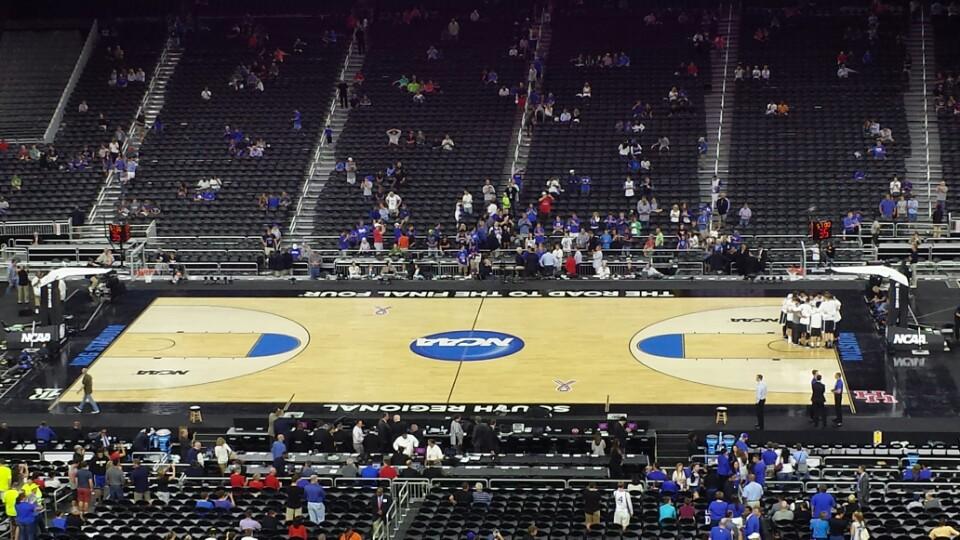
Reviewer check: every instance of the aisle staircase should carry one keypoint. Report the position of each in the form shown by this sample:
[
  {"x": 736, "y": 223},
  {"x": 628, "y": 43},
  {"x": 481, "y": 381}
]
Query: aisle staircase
[
  {"x": 923, "y": 166},
  {"x": 520, "y": 151},
  {"x": 718, "y": 105},
  {"x": 324, "y": 156},
  {"x": 150, "y": 107}
]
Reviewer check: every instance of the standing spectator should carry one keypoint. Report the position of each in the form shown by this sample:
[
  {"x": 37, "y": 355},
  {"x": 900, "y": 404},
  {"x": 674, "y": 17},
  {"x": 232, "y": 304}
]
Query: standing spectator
[
  {"x": 315, "y": 495},
  {"x": 357, "y": 437},
  {"x": 85, "y": 486},
  {"x": 293, "y": 505},
  {"x": 44, "y": 434},
  {"x": 591, "y": 506},
  {"x": 380, "y": 506},
  {"x": 722, "y": 207},
  {"x": 140, "y": 478},
  {"x": 863, "y": 487},
  {"x": 822, "y": 503},
  {"x": 26, "y": 512},
  {"x": 745, "y": 215},
  {"x": 23, "y": 288},
  {"x": 456, "y": 433},
  {"x": 114, "y": 480}
]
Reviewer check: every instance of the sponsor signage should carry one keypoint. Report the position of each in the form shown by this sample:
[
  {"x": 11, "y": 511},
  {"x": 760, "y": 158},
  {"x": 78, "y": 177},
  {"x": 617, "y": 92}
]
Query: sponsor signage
[
  {"x": 466, "y": 345},
  {"x": 97, "y": 345},
  {"x": 849, "y": 347},
  {"x": 909, "y": 361},
  {"x": 753, "y": 320},
  {"x": 35, "y": 337},
  {"x": 163, "y": 372},
  {"x": 487, "y": 294},
  {"x": 513, "y": 408},
  {"x": 905, "y": 339}
]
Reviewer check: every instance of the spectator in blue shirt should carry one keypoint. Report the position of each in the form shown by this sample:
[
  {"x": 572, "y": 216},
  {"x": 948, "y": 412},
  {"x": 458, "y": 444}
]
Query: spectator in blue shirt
[
  {"x": 759, "y": 469},
  {"x": 203, "y": 504},
  {"x": 887, "y": 206},
  {"x": 820, "y": 527},
  {"x": 723, "y": 465},
  {"x": 654, "y": 474},
  {"x": 224, "y": 501},
  {"x": 822, "y": 502},
  {"x": 59, "y": 522},
  {"x": 752, "y": 491},
  {"x": 26, "y": 518},
  {"x": 279, "y": 448},
  {"x": 769, "y": 456},
  {"x": 45, "y": 434},
  {"x": 741, "y": 443},
  {"x": 667, "y": 510},
  {"x": 752, "y": 523},
  {"x": 718, "y": 508},
  {"x": 140, "y": 478},
  {"x": 372, "y": 472},
  {"x": 720, "y": 531},
  {"x": 315, "y": 495}
]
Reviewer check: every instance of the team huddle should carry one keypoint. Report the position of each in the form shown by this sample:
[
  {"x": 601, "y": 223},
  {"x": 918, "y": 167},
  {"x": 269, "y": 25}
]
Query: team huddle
[{"x": 810, "y": 319}]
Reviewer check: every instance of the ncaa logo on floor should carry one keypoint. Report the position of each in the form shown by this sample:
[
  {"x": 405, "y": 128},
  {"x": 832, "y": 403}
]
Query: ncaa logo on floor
[{"x": 466, "y": 345}]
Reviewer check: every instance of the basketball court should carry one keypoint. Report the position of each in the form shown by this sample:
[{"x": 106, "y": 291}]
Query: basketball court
[{"x": 691, "y": 350}]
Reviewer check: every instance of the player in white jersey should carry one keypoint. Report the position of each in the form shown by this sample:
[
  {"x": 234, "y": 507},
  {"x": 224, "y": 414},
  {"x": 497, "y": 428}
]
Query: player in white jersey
[
  {"x": 816, "y": 326},
  {"x": 785, "y": 314},
  {"x": 806, "y": 309},
  {"x": 623, "y": 507},
  {"x": 831, "y": 317}
]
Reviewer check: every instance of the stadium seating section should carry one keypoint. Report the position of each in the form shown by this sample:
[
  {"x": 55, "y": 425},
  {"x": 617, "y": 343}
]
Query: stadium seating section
[
  {"x": 51, "y": 191},
  {"x": 476, "y": 118},
  {"x": 42, "y": 62},
  {"x": 789, "y": 167},
  {"x": 590, "y": 147},
  {"x": 192, "y": 145},
  {"x": 947, "y": 93}
]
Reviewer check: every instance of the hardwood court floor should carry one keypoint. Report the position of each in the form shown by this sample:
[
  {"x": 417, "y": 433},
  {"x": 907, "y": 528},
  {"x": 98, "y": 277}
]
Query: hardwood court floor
[{"x": 359, "y": 350}]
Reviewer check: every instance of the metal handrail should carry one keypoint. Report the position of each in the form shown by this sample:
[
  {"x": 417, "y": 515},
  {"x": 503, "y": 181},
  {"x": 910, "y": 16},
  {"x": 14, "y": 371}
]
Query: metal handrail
[
  {"x": 323, "y": 140},
  {"x": 92, "y": 37},
  {"x": 526, "y": 107}
]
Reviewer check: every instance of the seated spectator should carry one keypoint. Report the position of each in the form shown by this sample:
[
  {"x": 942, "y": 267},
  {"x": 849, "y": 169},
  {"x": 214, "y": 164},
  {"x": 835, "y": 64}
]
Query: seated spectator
[
  {"x": 447, "y": 142},
  {"x": 481, "y": 497},
  {"x": 687, "y": 510},
  {"x": 667, "y": 511}
]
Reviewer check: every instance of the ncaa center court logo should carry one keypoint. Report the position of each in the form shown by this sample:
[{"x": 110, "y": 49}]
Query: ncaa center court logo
[{"x": 466, "y": 345}]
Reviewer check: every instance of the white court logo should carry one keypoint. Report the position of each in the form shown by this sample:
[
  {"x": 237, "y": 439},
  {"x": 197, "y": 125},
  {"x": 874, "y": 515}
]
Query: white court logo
[{"x": 45, "y": 394}]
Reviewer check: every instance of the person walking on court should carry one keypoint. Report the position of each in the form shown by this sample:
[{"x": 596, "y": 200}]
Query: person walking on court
[
  {"x": 818, "y": 402},
  {"x": 761, "y": 400},
  {"x": 86, "y": 387},
  {"x": 838, "y": 400}
]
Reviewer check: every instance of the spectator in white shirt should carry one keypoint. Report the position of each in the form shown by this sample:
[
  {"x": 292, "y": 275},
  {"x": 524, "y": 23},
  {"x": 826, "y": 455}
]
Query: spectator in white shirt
[
  {"x": 406, "y": 444},
  {"x": 358, "y": 437},
  {"x": 434, "y": 453},
  {"x": 206, "y": 94}
]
